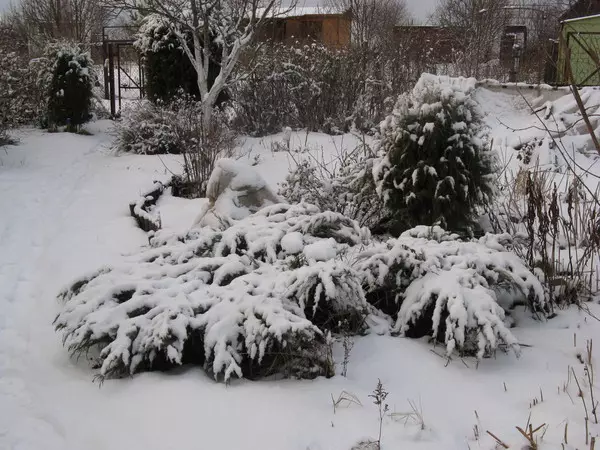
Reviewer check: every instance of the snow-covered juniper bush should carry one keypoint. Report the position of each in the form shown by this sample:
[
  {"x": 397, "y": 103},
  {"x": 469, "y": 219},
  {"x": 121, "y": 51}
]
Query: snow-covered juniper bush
[
  {"x": 261, "y": 295},
  {"x": 437, "y": 168}
]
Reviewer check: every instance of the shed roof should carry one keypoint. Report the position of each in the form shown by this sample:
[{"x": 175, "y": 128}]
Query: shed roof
[
  {"x": 576, "y": 19},
  {"x": 301, "y": 11}
]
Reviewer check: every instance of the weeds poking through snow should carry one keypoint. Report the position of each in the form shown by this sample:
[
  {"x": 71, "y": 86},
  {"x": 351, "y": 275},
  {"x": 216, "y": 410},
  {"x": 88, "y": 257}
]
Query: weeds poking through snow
[
  {"x": 379, "y": 395},
  {"x": 587, "y": 417},
  {"x": 414, "y": 416},
  {"x": 344, "y": 399},
  {"x": 529, "y": 433},
  {"x": 537, "y": 401},
  {"x": 347, "y": 344},
  {"x": 497, "y": 439}
]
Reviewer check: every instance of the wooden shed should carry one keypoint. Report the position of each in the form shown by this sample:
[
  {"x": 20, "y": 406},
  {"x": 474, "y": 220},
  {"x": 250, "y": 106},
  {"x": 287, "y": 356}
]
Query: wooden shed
[
  {"x": 579, "y": 51},
  {"x": 313, "y": 24}
]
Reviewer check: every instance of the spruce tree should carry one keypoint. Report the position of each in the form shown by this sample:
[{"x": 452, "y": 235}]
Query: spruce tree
[
  {"x": 70, "y": 88},
  {"x": 437, "y": 170}
]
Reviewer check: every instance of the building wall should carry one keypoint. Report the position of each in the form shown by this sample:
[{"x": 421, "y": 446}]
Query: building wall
[
  {"x": 575, "y": 37},
  {"x": 331, "y": 30}
]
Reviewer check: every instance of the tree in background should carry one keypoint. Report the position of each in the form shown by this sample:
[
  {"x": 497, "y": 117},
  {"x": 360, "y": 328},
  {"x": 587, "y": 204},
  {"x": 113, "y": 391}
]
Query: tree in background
[
  {"x": 40, "y": 21},
  {"x": 373, "y": 21},
  {"x": 231, "y": 23},
  {"x": 481, "y": 22}
]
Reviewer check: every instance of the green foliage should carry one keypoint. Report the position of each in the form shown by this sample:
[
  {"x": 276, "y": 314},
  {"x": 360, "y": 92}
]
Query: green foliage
[
  {"x": 70, "y": 85},
  {"x": 437, "y": 169},
  {"x": 168, "y": 69}
]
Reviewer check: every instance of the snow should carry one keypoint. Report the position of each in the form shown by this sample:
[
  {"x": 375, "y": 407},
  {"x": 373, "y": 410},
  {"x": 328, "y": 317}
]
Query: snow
[
  {"x": 64, "y": 212},
  {"x": 292, "y": 243},
  {"x": 320, "y": 251}
]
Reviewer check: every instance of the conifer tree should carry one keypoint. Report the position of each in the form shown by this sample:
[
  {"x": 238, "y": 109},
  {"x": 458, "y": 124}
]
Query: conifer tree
[{"x": 437, "y": 169}]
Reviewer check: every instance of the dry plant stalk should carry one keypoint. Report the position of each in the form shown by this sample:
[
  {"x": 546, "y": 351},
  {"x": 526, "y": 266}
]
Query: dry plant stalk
[
  {"x": 415, "y": 415},
  {"x": 344, "y": 399},
  {"x": 497, "y": 439},
  {"x": 587, "y": 417},
  {"x": 530, "y": 434}
]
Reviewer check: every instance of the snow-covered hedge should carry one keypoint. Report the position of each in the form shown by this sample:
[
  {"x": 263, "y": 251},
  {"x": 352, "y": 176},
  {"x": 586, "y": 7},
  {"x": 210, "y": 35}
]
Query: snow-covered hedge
[
  {"x": 312, "y": 86},
  {"x": 20, "y": 96},
  {"x": 147, "y": 128},
  {"x": 262, "y": 295}
]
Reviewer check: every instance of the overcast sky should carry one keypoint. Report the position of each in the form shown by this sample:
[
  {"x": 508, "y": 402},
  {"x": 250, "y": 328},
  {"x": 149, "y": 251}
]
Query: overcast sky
[{"x": 420, "y": 9}]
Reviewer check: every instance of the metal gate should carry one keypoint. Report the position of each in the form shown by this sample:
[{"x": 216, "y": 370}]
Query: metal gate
[{"x": 123, "y": 68}]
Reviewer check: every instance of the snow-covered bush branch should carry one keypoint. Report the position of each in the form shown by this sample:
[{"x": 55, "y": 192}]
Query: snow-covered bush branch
[
  {"x": 457, "y": 291},
  {"x": 211, "y": 297}
]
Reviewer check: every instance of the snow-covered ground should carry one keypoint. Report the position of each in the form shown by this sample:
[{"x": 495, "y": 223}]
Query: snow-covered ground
[{"x": 64, "y": 211}]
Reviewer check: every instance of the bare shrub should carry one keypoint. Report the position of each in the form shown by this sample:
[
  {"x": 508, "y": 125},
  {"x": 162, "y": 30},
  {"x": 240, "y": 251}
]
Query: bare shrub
[
  {"x": 5, "y": 138},
  {"x": 202, "y": 147},
  {"x": 556, "y": 233},
  {"x": 344, "y": 185},
  {"x": 177, "y": 127},
  {"x": 314, "y": 87}
]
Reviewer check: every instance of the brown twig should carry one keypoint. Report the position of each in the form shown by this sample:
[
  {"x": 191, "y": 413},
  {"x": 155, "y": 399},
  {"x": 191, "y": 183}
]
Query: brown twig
[{"x": 497, "y": 439}]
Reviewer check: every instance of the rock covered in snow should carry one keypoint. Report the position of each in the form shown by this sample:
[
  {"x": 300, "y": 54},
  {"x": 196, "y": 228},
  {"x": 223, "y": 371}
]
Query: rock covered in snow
[{"x": 235, "y": 190}]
